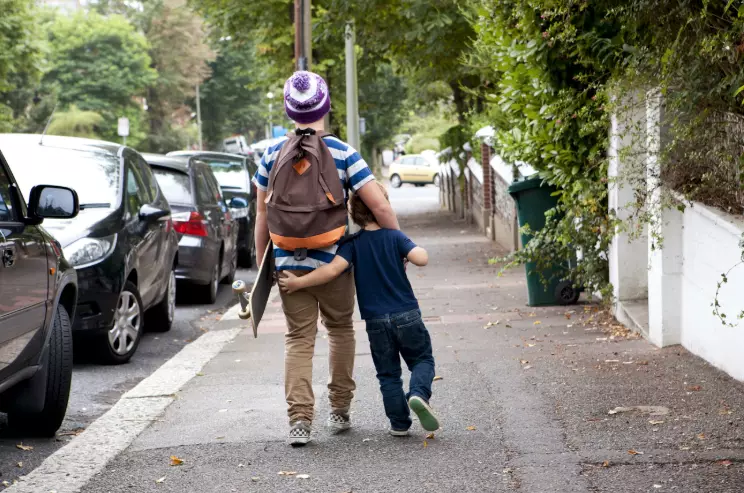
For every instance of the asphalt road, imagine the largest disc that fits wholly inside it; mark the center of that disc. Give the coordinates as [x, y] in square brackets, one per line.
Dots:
[96, 388]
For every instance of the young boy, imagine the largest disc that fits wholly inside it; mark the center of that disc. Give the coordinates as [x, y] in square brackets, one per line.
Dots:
[390, 310]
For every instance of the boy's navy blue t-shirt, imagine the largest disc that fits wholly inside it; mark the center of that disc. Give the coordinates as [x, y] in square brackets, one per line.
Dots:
[381, 282]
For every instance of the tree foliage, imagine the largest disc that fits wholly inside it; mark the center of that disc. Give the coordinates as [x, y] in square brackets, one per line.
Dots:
[20, 58]
[99, 64]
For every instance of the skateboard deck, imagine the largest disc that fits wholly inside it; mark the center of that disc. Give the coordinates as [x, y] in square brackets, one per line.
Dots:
[254, 303]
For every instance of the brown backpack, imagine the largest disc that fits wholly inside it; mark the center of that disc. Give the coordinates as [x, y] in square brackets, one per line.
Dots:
[305, 199]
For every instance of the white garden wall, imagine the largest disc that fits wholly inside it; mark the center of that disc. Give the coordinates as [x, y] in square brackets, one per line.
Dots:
[710, 246]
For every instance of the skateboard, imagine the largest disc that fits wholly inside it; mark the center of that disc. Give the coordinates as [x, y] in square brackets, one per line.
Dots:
[253, 302]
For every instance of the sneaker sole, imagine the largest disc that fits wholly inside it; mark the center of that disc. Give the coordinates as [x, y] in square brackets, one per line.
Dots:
[338, 427]
[397, 433]
[299, 442]
[425, 415]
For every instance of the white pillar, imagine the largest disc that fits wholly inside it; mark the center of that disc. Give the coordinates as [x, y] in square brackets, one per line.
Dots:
[629, 250]
[665, 248]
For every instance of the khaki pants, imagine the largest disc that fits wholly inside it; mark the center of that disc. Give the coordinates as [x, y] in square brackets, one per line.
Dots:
[335, 301]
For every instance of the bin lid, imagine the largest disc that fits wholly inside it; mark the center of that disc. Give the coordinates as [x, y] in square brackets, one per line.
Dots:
[528, 183]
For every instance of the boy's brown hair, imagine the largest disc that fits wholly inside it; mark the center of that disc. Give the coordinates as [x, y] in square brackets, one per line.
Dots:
[360, 213]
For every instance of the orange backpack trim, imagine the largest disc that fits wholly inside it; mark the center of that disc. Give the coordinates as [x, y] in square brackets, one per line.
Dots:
[322, 240]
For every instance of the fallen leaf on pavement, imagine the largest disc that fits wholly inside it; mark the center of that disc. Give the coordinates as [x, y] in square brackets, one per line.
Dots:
[508, 326]
[437, 378]
[470, 428]
[255, 478]
[536, 322]
[222, 411]
[643, 363]
[175, 461]
[20, 464]
[606, 463]
[491, 324]
[430, 436]
[523, 361]
[701, 436]
[725, 411]
[5, 483]
[24, 447]
[530, 345]
[161, 480]
[656, 422]
[200, 374]
[426, 444]
[724, 463]
[241, 465]
[287, 473]
[695, 388]
[657, 486]
[303, 476]
[650, 410]
[366, 440]
[634, 452]
[527, 367]
[71, 432]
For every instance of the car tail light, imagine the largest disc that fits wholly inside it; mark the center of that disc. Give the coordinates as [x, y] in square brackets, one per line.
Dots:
[190, 223]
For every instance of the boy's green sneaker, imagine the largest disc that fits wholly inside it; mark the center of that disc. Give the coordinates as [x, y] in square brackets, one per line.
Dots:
[425, 414]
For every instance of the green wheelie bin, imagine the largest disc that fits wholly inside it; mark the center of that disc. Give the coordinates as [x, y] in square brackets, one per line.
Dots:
[534, 198]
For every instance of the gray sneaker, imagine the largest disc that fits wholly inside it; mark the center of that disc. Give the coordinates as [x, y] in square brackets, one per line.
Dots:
[299, 434]
[426, 416]
[338, 422]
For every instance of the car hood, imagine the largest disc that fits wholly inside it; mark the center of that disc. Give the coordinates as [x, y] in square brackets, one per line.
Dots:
[67, 231]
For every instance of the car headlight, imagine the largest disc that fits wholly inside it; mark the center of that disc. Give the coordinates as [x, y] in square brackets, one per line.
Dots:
[239, 213]
[87, 251]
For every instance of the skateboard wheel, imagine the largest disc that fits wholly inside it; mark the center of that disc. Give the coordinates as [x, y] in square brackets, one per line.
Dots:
[238, 287]
[244, 314]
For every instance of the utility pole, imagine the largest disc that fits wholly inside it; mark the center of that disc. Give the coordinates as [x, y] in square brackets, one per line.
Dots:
[198, 117]
[303, 34]
[352, 93]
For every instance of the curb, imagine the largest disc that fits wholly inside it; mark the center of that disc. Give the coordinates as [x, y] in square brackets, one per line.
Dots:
[70, 468]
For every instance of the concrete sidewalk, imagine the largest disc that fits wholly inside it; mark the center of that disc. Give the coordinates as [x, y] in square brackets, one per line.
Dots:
[527, 397]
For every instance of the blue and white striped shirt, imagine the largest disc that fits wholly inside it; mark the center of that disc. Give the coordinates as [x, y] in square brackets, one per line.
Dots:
[353, 173]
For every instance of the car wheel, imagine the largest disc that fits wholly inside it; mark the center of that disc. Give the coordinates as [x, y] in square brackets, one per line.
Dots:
[437, 179]
[161, 316]
[210, 290]
[121, 341]
[57, 385]
[230, 277]
[395, 181]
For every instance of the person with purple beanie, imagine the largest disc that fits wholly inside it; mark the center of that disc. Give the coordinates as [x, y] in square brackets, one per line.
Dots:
[306, 101]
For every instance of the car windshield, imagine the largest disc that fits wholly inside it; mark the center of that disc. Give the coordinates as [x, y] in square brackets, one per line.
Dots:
[95, 176]
[175, 185]
[229, 174]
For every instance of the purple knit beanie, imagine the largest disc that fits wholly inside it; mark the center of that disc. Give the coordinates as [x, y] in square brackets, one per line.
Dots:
[306, 98]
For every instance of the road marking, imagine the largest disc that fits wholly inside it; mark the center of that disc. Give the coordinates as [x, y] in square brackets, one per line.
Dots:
[70, 468]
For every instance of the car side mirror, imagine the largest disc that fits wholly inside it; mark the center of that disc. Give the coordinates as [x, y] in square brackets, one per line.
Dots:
[150, 213]
[238, 203]
[53, 202]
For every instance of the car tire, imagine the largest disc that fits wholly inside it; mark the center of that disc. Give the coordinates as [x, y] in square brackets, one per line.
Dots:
[160, 317]
[209, 291]
[230, 277]
[247, 256]
[118, 344]
[46, 422]
[436, 181]
[395, 181]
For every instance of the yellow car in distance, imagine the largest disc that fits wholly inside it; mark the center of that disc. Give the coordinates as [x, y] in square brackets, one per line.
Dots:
[414, 168]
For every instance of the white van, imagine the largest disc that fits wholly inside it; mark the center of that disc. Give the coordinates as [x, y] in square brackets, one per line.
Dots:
[236, 145]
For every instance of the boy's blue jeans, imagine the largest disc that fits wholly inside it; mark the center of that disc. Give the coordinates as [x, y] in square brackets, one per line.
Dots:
[401, 334]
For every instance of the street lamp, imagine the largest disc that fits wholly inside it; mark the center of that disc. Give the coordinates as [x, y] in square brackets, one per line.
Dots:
[270, 97]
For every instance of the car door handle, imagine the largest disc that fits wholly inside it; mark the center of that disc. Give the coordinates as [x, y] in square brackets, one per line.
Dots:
[8, 255]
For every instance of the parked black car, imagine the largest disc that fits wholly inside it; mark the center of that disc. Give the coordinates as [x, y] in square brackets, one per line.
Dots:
[38, 293]
[234, 173]
[122, 243]
[207, 246]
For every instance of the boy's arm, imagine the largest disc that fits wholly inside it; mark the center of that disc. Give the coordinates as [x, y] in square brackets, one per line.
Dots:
[418, 256]
[289, 283]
